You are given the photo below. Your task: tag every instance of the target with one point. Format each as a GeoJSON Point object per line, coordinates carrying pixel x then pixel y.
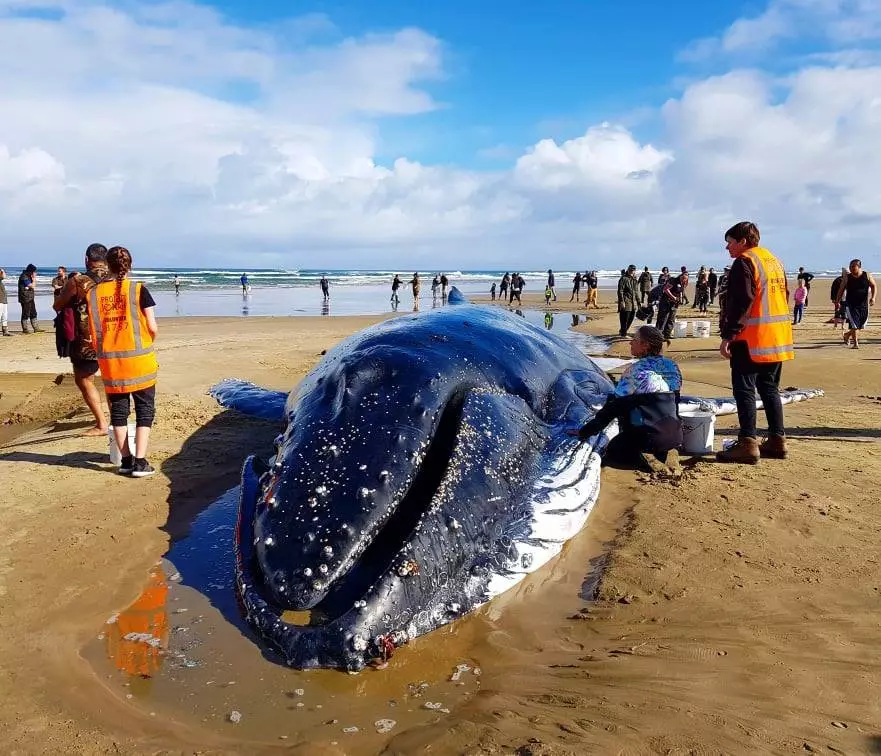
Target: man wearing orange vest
{"type": "Point", "coordinates": [757, 339]}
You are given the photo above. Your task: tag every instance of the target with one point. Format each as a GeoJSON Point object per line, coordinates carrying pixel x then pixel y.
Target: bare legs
{"type": "Point", "coordinates": [86, 385]}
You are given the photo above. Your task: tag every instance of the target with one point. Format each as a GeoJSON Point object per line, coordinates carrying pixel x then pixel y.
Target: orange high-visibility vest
{"type": "Point", "coordinates": [768, 328]}
{"type": "Point", "coordinates": [123, 344]}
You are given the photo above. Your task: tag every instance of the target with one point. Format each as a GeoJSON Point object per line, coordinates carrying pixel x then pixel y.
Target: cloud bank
{"type": "Point", "coordinates": [196, 141]}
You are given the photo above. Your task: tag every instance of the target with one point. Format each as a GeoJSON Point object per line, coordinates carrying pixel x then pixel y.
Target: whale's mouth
{"type": "Point", "coordinates": [390, 536]}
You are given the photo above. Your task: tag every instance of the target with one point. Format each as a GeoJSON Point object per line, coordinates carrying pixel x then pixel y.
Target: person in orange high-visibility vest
{"type": "Point", "coordinates": [123, 327]}
{"type": "Point", "coordinates": [757, 339]}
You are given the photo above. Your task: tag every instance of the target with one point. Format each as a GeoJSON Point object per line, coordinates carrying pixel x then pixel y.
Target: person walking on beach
{"type": "Point", "coordinates": [59, 281]}
{"type": "Point", "coordinates": [798, 307]}
{"type": "Point", "coordinates": [713, 282]}
{"type": "Point", "coordinates": [838, 318]}
{"type": "Point", "coordinates": [123, 330]}
{"type": "Point", "coordinates": [576, 287]}
{"type": "Point", "coordinates": [396, 284]}
{"type": "Point", "coordinates": [27, 282]}
{"type": "Point", "coordinates": [628, 299]}
{"type": "Point", "coordinates": [444, 281]}
{"type": "Point", "coordinates": [503, 286]}
{"type": "Point", "coordinates": [4, 305]}
{"type": "Point", "coordinates": [757, 340]}
{"type": "Point", "coordinates": [646, 281]}
{"type": "Point", "coordinates": [492, 291]}
{"type": "Point", "coordinates": [325, 287]}
{"type": "Point", "coordinates": [806, 277]}
{"type": "Point", "coordinates": [435, 285]}
{"type": "Point", "coordinates": [244, 280]}
{"type": "Point", "coordinates": [668, 305]}
{"type": "Point", "coordinates": [702, 292]}
{"type": "Point", "coordinates": [176, 285]}
{"type": "Point", "coordinates": [551, 284]}
{"type": "Point", "coordinates": [592, 284]}
{"type": "Point", "coordinates": [516, 288]}
{"type": "Point", "coordinates": [859, 289]}
{"type": "Point", "coordinates": [415, 285]}
{"type": "Point", "coordinates": [74, 298]}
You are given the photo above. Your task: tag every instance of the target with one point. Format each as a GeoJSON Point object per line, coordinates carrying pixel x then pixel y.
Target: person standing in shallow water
{"type": "Point", "coordinates": [325, 287]}
{"type": "Point", "coordinates": [757, 340]}
{"type": "Point", "coordinates": [123, 329]}
{"type": "Point", "coordinates": [416, 286]}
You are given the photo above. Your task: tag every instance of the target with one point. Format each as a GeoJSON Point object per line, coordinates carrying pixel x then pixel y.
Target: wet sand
{"type": "Point", "coordinates": [736, 612]}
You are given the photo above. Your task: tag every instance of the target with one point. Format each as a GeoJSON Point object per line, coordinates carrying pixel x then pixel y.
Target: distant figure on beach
{"type": "Point", "coordinates": [683, 277]}
{"type": "Point", "coordinates": [245, 285]}
{"type": "Point", "coordinates": [516, 288]}
{"type": "Point", "coordinates": [757, 340]}
{"type": "Point", "coordinates": [503, 286]}
{"type": "Point", "coordinates": [123, 324]}
{"type": "Point", "coordinates": [702, 292]}
{"type": "Point", "coordinates": [549, 292]}
{"type": "Point", "coordinates": [668, 304]}
{"type": "Point", "coordinates": [646, 281]}
{"type": "Point", "coordinates": [435, 285]}
{"type": "Point", "coordinates": [492, 291]}
{"type": "Point", "coordinates": [325, 287]}
{"type": "Point", "coordinates": [858, 290]}
{"type": "Point", "coordinates": [713, 283]}
{"type": "Point", "coordinates": [396, 284]}
{"type": "Point", "coordinates": [4, 305]}
{"type": "Point", "coordinates": [803, 275]}
{"type": "Point", "coordinates": [628, 299]}
{"type": "Point", "coordinates": [444, 282]}
{"type": "Point", "coordinates": [798, 298]}
{"type": "Point", "coordinates": [664, 277]}
{"type": "Point", "coordinates": [645, 403]}
{"type": "Point", "coordinates": [59, 281]}
{"type": "Point", "coordinates": [415, 285]}
{"type": "Point", "coordinates": [576, 287]}
{"type": "Point", "coordinates": [838, 318]}
{"type": "Point", "coordinates": [177, 285]}
{"type": "Point", "coordinates": [72, 306]}
{"type": "Point", "coordinates": [592, 283]}
{"type": "Point", "coordinates": [551, 284]}
{"type": "Point", "coordinates": [27, 282]}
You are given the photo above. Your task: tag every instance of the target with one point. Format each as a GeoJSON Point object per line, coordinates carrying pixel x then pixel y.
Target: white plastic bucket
{"type": "Point", "coordinates": [698, 430]}
{"type": "Point", "coordinates": [680, 329]}
{"type": "Point", "coordinates": [115, 456]}
{"type": "Point", "coordinates": [701, 329]}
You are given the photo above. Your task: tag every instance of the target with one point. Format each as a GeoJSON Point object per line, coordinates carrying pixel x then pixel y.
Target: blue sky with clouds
{"type": "Point", "coordinates": [463, 134]}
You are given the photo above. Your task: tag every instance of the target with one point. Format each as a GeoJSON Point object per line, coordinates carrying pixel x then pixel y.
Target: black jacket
{"type": "Point", "coordinates": [650, 422]}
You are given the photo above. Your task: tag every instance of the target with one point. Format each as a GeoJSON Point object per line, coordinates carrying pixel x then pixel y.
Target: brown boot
{"type": "Point", "coordinates": [745, 451]}
{"type": "Point", "coordinates": [773, 447]}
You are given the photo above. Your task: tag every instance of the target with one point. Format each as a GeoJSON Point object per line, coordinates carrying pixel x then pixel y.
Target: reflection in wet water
{"type": "Point", "coordinates": [137, 637]}
{"type": "Point", "coordinates": [246, 304]}
{"type": "Point", "coordinates": [325, 307]}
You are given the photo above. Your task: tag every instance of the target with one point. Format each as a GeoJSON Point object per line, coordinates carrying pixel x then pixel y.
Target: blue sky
{"type": "Point", "coordinates": [478, 135]}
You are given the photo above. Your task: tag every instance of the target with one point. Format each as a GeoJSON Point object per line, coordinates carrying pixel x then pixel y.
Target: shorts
{"type": "Point", "coordinates": [145, 407]}
{"type": "Point", "coordinates": [84, 367]}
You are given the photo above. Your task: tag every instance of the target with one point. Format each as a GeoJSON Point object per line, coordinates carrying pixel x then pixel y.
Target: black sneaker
{"type": "Point", "coordinates": [142, 468]}
{"type": "Point", "coordinates": [126, 466]}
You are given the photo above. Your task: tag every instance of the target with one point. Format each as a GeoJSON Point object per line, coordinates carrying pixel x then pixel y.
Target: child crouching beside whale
{"type": "Point", "coordinates": [645, 404]}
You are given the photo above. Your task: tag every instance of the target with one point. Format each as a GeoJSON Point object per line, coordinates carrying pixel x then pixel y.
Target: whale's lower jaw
{"type": "Point", "coordinates": [561, 503]}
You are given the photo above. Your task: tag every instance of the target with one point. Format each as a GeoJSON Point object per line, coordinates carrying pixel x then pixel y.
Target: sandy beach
{"type": "Point", "coordinates": [736, 610]}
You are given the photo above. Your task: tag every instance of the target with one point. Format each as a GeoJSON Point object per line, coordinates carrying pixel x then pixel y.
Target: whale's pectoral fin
{"type": "Point", "coordinates": [456, 297]}
{"type": "Point", "coordinates": [250, 399]}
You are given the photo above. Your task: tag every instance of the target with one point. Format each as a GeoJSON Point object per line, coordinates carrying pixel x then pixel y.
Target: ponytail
{"type": "Point", "coordinates": [119, 261]}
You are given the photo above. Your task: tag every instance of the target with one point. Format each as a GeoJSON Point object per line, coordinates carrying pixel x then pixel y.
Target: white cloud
{"type": "Point", "coordinates": [168, 128]}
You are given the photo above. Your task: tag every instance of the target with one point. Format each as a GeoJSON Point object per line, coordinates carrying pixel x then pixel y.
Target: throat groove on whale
{"type": "Point", "coordinates": [395, 532]}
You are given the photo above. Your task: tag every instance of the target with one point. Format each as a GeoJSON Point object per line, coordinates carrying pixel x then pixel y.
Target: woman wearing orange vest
{"type": "Point", "coordinates": [123, 327]}
{"type": "Point", "coordinates": [757, 338]}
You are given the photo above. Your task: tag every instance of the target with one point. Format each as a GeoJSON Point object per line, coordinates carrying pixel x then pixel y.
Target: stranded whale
{"type": "Point", "coordinates": [424, 468]}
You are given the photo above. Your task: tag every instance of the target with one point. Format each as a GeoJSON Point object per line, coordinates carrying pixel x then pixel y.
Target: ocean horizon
{"type": "Point", "coordinates": [277, 292]}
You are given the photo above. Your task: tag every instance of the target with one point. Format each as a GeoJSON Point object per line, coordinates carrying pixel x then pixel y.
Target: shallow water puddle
{"type": "Point", "coordinates": [561, 323]}
{"type": "Point", "coordinates": [182, 652]}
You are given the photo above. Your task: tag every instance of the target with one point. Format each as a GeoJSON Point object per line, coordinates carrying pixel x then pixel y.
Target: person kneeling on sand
{"type": "Point", "coordinates": [72, 302]}
{"type": "Point", "coordinates": [646, 405]}
{"type": "Point", "coordinates": [123, 323]}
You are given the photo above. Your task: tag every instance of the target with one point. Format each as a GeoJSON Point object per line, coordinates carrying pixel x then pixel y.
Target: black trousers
{"type": "Point", "coordinates": [747, 378]}
{"type": "Point", "coordinates": [145, 407]}
{"type": "Point", "coordinates": [626, 319]}
{"type": "Point", "coordinates": [666, 318]}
